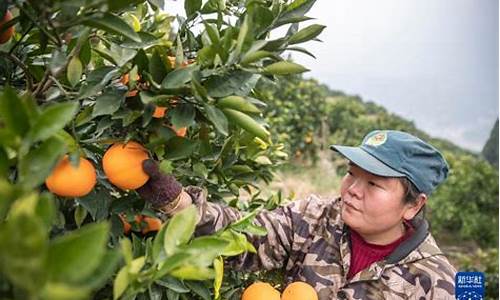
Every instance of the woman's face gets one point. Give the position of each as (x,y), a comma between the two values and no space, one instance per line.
(373,205)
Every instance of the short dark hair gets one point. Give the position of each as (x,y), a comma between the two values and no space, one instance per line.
(411,192)
(410,196)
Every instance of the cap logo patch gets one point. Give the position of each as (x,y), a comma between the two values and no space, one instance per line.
(377,139)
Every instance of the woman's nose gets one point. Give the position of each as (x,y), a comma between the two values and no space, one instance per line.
(355,189)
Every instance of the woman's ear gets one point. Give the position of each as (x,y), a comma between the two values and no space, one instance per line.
(413,208)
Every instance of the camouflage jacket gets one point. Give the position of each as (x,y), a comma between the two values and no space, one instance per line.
(309,239)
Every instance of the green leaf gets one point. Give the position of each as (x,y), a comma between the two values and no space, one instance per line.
(212,32)
(80,214)
(234,83)
(205,249)
(180,229)
(4,163)
(38,163)
(179,52)
(104,271)
(297,8)
(24,251)
(136,265)
(179,147)
(120,283)
(173,284)
(242,35)
(156,67)
(113,24)
(199,288)
(12,114)
(283,21)
(182,115)
(212,6)
(217,117)
(190,272)
(237,243)
(46,209)
(74,71)
(237,103)
(96,81)
(284,68)
(108,103)
(157,249)
(219,275)
(191,7)
(51,120)
(97,203)
(306,34)
(178,77)
(251,57)
(85,53)
(74,256)
(246,122)
(62,291)
(302,50)
(172,262)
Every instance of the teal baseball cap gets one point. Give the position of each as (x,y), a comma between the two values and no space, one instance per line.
(392,153)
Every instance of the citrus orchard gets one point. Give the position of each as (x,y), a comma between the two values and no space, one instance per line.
(69,181)
(122,164)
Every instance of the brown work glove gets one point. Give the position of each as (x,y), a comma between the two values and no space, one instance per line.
(161,189)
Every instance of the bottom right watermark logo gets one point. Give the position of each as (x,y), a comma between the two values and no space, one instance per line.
(469,286)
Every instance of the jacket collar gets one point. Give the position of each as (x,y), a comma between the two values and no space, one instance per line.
(419,246)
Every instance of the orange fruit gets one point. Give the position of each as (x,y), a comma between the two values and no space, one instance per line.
(125,80)
(6,34)
(299,291)
(122,165)
(152,224)
(127,227)
(181,132)
(260,291)
(69,181)
(159,112)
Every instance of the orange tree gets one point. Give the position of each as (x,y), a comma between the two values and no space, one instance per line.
(298,114)
(78,76)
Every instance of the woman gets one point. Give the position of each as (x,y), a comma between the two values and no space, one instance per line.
(370,243)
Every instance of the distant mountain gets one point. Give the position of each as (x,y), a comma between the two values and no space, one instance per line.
(352,117)
(490,150)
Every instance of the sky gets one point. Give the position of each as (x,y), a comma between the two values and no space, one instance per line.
(434,62)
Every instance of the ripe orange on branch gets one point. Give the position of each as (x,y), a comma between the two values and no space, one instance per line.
(122,164)
(152,224)
(159,112)
(299,291)
(125,80)
(69,181)
(6,34)
(260,291)
(147,224)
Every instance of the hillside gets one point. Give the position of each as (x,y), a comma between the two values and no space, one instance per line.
(490,150)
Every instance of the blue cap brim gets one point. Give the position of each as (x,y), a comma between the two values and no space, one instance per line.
(365,161)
